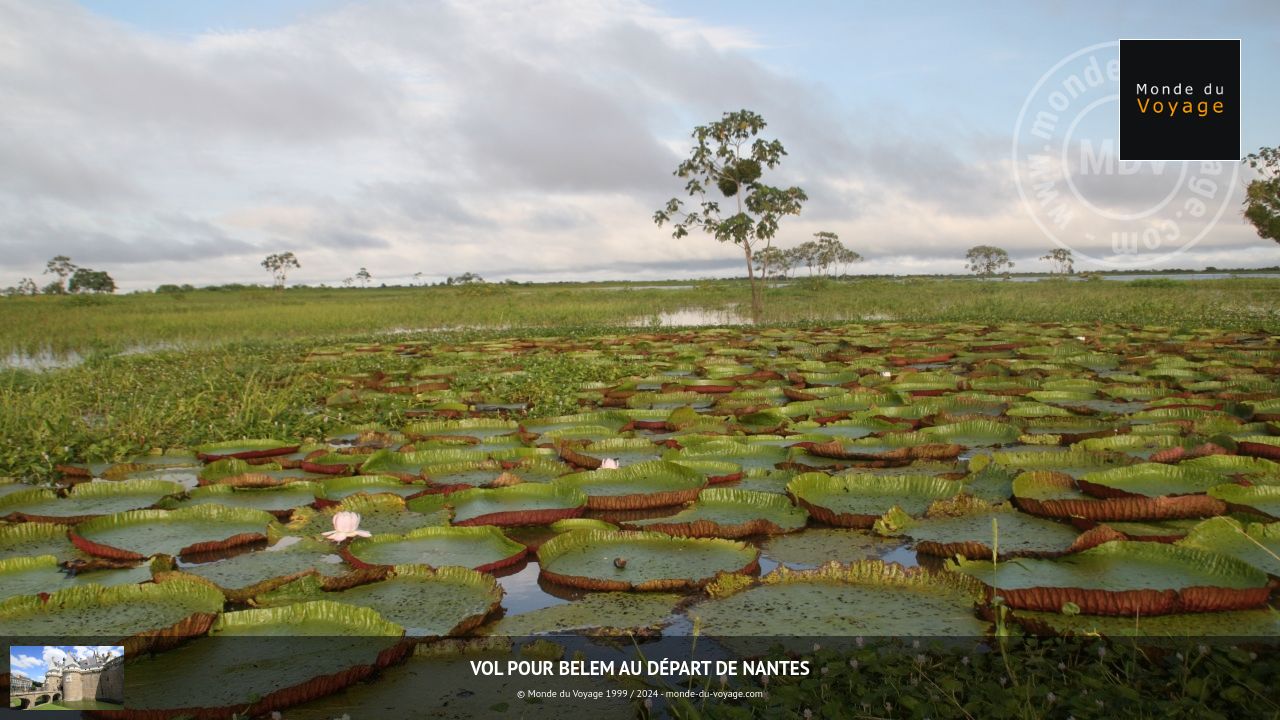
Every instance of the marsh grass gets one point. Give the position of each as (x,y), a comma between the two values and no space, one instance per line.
(32,325)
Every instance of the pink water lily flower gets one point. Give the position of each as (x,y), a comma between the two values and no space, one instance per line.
(346,525)
(609,464)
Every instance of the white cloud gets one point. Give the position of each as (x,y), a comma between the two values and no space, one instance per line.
(530,141)
(25,662)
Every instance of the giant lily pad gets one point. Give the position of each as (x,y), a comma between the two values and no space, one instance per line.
(618,560)
(1263,499)
(729,513)
(330,646)
(523,504)
(636,487)
(819,546)
(41,574)
(1056,495)
(605,613)
(482,548)
(146,614)
(341,487)
(974,433)
(410,465)
(425,601)
(31,538)
(1251,624)
(857,500)
(379,514)
(865,598)
(1125,578)
(87,500)
(1255,543)
(138,534)
(244,575)
(244,449)
(972,529)
(1148,480)
(279,500)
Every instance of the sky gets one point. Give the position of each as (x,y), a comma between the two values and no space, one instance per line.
(33,661)
(182,142)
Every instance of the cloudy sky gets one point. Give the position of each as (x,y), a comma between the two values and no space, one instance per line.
(181,142)
(33,661)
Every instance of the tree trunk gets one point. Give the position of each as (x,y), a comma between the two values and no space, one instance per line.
(757,302)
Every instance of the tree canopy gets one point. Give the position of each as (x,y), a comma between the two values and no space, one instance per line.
(1262,196)
(987,260)
(729,156)
(279,265)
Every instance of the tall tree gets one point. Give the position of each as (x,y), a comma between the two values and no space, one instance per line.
(364,277)
(1060,260)
(62,267)
(1262,196)
(987,260)
(94,281)
(279,265)
(729,156)
(771,258)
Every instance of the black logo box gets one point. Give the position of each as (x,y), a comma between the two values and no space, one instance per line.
(1160,77)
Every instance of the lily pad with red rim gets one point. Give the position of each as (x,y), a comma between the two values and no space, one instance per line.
(141,617)
(244,449)
(483,548)
(636,487)
(729,513)
(1125,578)
(521,504)
(331,646)
(138,534)
(857,500)
(425,601)
(648,561)
(86,500)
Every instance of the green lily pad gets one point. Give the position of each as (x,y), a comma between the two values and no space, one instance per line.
(425,601)
(138,534)
(1264,499)
(973,531)
(819,546)
(31,538)
(1255,543)
(523,504)
(974,433)
(636,487)
(1149,480)
(245,574)
(88,499)
(857,500)
(333,645)
(31,575)
(604,560)
(482,548)
(729,513)
(380,514)
(1125,578)
(244,449)
(868,598)
(1252,624)
(605,613)
(272,499)
(115,612)
(338,488)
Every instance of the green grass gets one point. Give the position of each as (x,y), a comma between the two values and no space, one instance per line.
(96,324)
(239,378)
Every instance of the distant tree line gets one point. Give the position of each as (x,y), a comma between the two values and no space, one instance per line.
(69,278)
